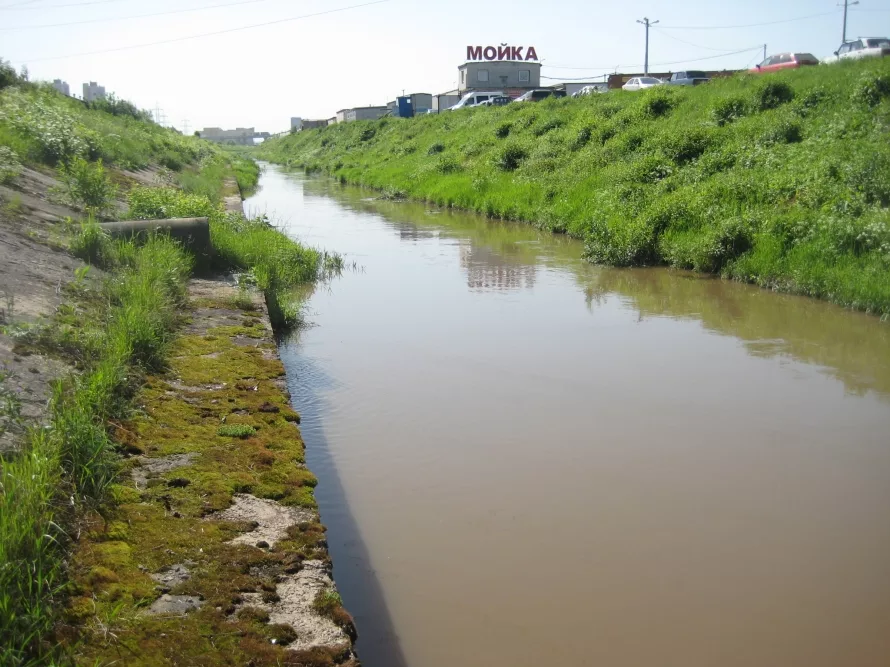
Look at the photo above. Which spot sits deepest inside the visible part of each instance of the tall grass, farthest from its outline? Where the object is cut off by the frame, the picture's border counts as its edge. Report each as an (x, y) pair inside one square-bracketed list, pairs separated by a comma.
[(72, 462), (780, 179), (268, 258)]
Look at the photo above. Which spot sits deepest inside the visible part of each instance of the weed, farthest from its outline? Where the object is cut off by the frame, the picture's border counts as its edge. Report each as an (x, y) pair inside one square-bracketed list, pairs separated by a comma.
[(88, 185), (871, 88), (10, 166), (236, 431), (728, 109), (772, 94), (510, 157)]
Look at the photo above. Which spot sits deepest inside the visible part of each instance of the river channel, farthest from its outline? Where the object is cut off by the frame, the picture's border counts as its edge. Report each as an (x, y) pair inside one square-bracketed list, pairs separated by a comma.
[(527, 460)]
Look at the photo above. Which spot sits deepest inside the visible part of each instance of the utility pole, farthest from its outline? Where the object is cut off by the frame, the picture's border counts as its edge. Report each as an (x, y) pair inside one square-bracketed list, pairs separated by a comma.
[(185, 126), (764, 51), (648, 23), (844, 35)]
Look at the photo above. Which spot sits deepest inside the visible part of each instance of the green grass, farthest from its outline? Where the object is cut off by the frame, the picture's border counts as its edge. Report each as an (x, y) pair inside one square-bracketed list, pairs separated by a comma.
[(73, 462), (268, 258), (782, 180), (236, 430)]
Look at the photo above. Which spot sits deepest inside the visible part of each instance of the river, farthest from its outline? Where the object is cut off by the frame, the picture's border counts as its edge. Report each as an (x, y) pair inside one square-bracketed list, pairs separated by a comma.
[(526, 460)]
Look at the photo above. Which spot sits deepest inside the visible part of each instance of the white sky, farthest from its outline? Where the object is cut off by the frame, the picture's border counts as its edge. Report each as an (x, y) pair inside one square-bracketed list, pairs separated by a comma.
[(314, 66)]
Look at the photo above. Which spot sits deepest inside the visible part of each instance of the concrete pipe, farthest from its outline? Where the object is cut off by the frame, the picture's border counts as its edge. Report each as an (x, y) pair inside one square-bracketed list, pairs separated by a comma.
[(194, 233)]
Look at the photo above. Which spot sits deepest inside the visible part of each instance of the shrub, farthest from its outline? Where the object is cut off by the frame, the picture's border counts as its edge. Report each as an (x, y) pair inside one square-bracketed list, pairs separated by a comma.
[(729, 109), (367, 134), (772, 94), (503, 130), (435, 148), (782, 131), (871, 88), (510, 157), (88, 185), (657, 102), (683, 146), (541, 129), (448, 165), (10, 167), (582, 137), (621, 241)]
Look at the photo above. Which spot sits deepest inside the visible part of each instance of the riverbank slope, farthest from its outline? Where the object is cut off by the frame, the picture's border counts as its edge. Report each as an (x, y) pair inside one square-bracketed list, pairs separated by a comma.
[(779, 179), (151, 475)]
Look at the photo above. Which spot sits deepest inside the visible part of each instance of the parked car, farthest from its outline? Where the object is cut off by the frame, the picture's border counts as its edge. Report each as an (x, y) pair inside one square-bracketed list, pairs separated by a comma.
[(472, 99), (865, 47), (591, 90), (786, 61), (642, 82), (497, 101), (540, 94), (690, 78)]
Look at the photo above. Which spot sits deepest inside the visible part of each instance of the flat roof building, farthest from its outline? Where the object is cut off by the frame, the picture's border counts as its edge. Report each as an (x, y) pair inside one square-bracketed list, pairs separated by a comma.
[(498, 75), (363, 113)]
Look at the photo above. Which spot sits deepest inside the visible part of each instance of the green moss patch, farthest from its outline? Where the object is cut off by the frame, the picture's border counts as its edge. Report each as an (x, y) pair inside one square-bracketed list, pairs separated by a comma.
[(228, 410)]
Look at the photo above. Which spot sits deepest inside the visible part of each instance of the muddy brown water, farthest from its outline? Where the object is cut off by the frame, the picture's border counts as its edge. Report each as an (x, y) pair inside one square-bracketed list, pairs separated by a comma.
[(528, 460)]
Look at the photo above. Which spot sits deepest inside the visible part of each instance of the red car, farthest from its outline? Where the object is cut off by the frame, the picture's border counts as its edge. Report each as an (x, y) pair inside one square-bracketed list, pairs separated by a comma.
[(786, 61)]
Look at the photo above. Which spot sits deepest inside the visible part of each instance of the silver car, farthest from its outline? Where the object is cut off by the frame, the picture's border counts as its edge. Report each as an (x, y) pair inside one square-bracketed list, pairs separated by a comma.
[(865, 47)]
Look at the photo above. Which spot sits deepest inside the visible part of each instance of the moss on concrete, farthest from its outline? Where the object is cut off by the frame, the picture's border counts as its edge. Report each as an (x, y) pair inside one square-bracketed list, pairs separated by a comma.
[(214, 379)]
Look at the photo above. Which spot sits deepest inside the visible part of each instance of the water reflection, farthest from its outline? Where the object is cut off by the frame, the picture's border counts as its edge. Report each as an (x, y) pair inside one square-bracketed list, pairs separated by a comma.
[(852, 347), (528, 460)]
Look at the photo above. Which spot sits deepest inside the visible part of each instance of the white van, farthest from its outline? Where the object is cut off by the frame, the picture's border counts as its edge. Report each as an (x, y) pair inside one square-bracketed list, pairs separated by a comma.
[(472, 99)]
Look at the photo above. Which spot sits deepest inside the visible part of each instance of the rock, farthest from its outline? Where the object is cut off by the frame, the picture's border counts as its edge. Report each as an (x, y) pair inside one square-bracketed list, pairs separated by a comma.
[(174, 604)]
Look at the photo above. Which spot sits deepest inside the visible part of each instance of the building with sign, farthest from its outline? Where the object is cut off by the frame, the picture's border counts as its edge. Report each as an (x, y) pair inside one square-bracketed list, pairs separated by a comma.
[(498, 75)]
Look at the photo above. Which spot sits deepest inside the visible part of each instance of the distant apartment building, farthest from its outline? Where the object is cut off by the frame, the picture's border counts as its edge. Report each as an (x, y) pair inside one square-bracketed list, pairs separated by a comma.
[(93, 91), (314, 124), (62, 87), (242, 136)]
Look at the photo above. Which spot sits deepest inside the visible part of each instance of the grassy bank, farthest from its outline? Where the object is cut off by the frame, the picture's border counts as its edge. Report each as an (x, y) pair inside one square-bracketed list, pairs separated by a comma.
[(780, 180), (115, 329), (114, 336)]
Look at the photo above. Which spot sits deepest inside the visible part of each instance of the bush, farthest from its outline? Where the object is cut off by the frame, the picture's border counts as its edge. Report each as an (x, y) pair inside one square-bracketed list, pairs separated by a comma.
[(510, 157), (88, 185), (657, 102), (685, 145), (435, 148), (582, 137), (729, 109), (8, 77), (871, 88), (502, 131), (367, 134), (772, 94), (10, 167), (782, 131)]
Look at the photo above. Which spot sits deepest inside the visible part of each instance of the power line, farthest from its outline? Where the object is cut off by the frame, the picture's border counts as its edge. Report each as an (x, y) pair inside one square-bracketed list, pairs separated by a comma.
[(137, 16), (747, 25), (17, 7), (205, 34), (675, 62), (683, 41)]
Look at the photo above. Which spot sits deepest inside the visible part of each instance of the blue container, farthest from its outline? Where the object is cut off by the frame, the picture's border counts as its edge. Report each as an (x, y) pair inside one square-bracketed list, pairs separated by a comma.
[(405, 108)]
